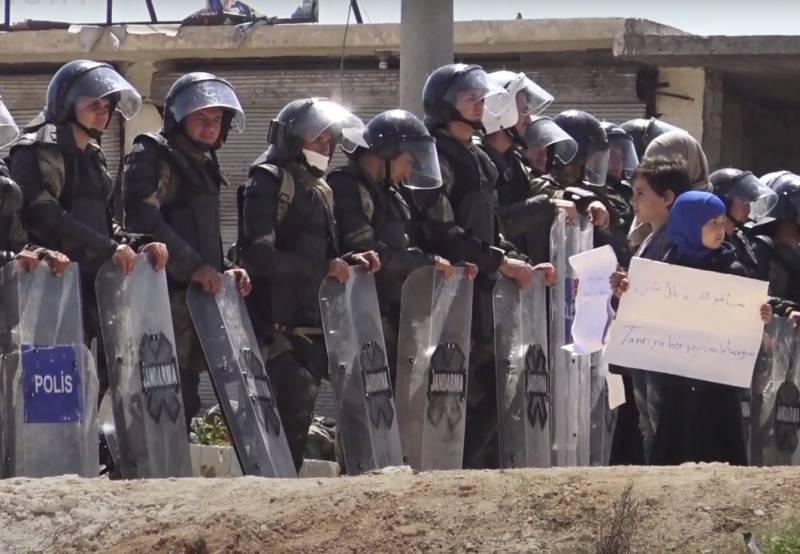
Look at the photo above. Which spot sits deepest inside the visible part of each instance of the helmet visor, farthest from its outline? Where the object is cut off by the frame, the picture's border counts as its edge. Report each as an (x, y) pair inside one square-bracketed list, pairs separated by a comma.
[(531, 98), (470, 88), (596, 169), (543, 132), (209, 94), (762, 199), (418, 163), (8, 129), (323, 115), (623, 160), (102, 82)]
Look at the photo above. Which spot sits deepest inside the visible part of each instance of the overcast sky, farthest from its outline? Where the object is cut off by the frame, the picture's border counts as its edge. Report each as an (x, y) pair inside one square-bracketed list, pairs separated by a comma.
[(708, 17)]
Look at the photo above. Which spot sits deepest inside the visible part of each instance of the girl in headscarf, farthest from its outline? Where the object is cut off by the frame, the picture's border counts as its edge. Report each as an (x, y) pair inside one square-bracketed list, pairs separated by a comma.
[(675, 144), (700, 421)]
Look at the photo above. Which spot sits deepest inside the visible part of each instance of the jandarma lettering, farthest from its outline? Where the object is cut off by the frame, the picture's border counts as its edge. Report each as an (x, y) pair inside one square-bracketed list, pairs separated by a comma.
[(788, 414), (376, 382), (159, 376), (653, 343), (537, 384), (447, 382)]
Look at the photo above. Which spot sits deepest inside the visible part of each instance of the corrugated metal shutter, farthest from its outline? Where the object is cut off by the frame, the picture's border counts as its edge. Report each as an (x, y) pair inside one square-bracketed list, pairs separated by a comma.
[(24, 95), (609, 93)]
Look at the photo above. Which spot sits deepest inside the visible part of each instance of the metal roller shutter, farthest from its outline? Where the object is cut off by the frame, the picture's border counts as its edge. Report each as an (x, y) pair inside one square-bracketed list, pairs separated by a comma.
[(24, 95), (609, 93)]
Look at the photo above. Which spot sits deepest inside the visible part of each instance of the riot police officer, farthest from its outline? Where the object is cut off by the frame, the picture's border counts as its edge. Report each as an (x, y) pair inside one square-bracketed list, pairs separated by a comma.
[(579, 179), (454, 99), (13, 238), (546, 144), (781, 223), (741, 191), (288, 241), (376, 206), (617, 192), (643, 131), (522, 218), (171, 189), (67, 191)]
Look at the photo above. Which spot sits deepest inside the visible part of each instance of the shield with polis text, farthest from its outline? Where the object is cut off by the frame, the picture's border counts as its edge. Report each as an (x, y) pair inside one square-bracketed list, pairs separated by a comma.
[(47, 376)]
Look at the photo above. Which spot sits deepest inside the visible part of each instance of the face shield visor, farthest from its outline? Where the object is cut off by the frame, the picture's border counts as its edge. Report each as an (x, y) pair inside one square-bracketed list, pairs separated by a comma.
[(102, 82), (418, 164), (8, 129), (596, 168), (543, 134), (623, 160), (209, 94), (468, 92), (531, 99), (346, 128), (761, 198)]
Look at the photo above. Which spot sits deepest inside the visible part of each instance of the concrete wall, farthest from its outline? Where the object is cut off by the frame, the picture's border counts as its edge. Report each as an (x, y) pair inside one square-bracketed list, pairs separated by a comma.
[(681, 103)]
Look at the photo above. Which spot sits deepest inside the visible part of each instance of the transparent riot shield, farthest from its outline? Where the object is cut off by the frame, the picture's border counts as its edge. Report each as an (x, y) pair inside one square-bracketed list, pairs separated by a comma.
[(144, 379), (523, 377), (240, 380), (603, 419), (775, 438), (570, 374), (359, 370), (49, 376), (432, 365)]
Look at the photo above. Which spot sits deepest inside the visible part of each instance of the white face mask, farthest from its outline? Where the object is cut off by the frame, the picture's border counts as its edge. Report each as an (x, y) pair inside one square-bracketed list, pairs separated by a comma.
[(315, 159)]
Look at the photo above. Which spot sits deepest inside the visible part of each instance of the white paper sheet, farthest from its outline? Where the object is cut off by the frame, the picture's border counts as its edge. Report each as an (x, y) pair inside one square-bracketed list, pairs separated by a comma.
[(688, 322), (593, 269)]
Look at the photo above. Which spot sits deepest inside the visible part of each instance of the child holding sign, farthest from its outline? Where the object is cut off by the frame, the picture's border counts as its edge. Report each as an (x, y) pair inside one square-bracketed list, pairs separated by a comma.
[(699, 421), (657, 182)]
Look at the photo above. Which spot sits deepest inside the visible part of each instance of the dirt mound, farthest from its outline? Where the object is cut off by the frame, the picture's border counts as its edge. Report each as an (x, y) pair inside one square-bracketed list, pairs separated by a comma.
[(694, 508)]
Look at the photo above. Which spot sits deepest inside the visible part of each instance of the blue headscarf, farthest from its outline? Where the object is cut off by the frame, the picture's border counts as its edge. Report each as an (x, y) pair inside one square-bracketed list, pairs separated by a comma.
[(689, 213)]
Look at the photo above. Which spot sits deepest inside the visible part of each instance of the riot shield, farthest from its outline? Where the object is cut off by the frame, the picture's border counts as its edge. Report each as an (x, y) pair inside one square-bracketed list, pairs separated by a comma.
[(775, 430), (523, 377), (570, 374), (240, 380), (432, 366), (144, 379), (49, 377), (360, 374), (603, 419)]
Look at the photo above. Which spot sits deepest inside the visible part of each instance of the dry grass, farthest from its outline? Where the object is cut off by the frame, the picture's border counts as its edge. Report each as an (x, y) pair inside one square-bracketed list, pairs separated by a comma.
[(616, 534)]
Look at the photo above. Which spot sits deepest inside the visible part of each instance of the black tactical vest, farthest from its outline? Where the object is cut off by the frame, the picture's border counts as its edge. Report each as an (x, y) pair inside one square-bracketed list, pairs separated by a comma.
[(473, 194)]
